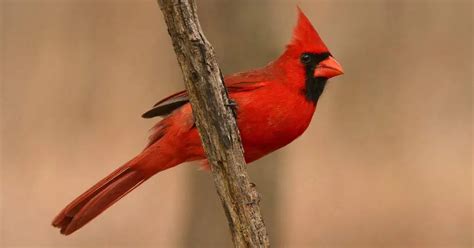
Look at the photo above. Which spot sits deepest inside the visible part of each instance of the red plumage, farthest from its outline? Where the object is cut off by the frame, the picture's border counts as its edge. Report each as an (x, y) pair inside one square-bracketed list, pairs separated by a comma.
[(275, 105)]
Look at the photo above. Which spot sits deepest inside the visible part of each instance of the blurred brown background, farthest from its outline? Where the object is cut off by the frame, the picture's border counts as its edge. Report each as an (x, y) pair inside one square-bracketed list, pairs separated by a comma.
[(386, 162)]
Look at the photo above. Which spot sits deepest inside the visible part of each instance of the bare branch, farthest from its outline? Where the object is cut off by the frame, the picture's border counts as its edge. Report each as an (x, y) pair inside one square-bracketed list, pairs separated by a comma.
[(216, 123)]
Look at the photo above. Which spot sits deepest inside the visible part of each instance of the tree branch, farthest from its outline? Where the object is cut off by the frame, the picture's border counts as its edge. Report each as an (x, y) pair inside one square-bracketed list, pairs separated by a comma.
[(216, 123)]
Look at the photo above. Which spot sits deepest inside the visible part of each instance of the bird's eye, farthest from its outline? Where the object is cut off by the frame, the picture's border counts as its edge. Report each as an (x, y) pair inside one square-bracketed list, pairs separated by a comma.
[(305, 58)]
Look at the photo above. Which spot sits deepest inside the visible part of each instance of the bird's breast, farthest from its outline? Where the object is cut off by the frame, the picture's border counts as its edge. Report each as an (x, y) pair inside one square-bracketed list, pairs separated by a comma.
[(270, 119)]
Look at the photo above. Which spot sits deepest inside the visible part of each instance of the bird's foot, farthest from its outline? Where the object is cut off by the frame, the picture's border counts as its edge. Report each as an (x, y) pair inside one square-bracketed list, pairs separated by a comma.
[(233, 105)]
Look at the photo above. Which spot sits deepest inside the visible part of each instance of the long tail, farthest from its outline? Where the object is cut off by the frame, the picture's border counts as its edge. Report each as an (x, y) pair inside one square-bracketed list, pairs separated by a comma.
[(101, 196)]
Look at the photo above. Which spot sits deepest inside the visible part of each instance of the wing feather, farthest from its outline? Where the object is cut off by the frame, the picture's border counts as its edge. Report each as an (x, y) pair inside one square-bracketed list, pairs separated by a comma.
[(245, 81)]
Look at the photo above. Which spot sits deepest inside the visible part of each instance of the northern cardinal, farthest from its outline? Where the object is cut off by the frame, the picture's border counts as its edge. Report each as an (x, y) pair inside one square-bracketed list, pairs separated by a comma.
[(275, 105)]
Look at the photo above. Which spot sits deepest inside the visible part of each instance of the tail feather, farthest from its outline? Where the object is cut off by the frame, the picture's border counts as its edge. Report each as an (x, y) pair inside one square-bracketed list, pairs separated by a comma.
[(98, 198)]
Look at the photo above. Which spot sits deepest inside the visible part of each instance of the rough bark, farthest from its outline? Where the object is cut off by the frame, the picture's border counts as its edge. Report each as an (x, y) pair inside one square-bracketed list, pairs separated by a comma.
[(220, 15), (216, 123)]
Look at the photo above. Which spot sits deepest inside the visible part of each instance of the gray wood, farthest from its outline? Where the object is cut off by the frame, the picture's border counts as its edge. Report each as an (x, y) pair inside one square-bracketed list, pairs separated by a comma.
[(216, 123)]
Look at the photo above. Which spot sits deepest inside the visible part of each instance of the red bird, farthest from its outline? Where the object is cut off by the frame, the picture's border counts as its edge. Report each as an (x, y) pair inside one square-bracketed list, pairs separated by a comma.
[(275, 105)]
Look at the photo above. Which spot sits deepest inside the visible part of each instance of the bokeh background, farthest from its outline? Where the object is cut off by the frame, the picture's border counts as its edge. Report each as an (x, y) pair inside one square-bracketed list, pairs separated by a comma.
[(386, 161)]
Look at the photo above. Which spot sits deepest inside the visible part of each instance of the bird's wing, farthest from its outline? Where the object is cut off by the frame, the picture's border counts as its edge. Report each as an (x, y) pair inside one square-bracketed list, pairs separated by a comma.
[(245, 81)]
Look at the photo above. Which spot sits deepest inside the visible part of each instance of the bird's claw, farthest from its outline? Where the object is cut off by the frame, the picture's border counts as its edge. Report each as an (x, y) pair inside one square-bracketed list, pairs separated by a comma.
[(231, 103)]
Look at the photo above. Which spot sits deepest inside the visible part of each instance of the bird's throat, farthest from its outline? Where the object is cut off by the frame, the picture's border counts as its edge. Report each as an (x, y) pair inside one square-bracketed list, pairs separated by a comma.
[(314, 87)]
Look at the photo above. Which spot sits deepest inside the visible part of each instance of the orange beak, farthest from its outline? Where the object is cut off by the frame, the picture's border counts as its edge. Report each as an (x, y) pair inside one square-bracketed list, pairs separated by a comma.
[(328, 68)]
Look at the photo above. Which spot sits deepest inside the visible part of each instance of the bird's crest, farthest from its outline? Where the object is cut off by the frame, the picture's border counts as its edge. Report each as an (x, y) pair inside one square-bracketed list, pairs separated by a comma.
[(305, 37)]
